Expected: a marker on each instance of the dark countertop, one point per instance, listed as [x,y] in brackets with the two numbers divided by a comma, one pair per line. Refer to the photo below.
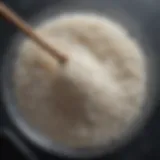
[146,145]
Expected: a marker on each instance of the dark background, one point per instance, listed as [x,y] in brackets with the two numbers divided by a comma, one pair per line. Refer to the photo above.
[146,145]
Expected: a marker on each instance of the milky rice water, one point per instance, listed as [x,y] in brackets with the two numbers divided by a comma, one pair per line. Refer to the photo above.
[96,96]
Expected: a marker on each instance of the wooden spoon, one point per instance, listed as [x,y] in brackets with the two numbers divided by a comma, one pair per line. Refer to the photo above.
[21,24]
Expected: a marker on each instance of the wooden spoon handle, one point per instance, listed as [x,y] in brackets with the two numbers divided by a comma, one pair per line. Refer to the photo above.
[21,24]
